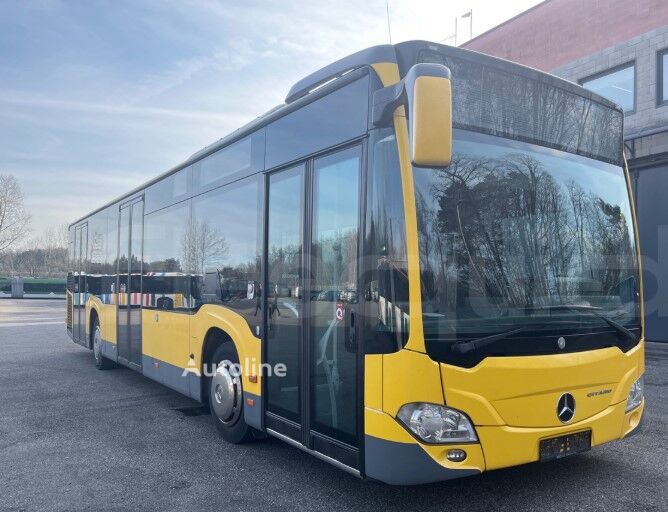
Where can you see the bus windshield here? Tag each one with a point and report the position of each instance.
(508, 234)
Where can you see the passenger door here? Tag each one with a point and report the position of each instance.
(79, 294)
(131, 233)
(312, 304)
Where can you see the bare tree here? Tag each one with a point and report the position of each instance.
(14, 219)
(202, 246)
(54, 244)
(30, 261)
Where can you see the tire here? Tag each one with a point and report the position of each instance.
(101, 362)
(226, 397)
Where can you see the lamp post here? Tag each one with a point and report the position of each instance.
(468, 15)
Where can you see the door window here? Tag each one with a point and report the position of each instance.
(285, 290)
(333, 295)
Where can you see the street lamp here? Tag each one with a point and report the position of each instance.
(469, 15)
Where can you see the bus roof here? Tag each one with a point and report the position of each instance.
(318, 83)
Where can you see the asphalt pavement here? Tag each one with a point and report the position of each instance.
(74, 438)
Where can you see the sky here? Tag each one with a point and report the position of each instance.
(99, 96)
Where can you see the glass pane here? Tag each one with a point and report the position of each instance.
(166, 251)
(97, 251)
(123, 285)
(337, 117)
(234, 158)
(243, 157)
(224, 257)
(134, 289)
(83, 295)
(521, 106)
(509, 231)
(386, 294)
(335, 236)
(284, 294)
(664, 77)
(617, 86)
(169, 190)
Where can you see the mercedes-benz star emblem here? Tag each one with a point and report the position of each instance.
(566, 408)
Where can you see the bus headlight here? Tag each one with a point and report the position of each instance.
(437, 424)
(636, 394)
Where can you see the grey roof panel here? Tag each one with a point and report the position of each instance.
(375, 54)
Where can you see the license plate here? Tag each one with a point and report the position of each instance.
(563, 446)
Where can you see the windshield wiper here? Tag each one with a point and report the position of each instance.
(462, 347)
(623, 331)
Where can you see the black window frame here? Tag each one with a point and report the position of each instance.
(615, 69)
(660, 100)
(256, 180)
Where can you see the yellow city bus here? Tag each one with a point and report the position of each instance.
(422, 266)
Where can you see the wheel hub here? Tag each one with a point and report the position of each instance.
(226, 393)
(97, 342)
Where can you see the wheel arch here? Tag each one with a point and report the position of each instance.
(213, 325)
(214, 338)
(93, 316)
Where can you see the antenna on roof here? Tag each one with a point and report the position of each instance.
(389, 28)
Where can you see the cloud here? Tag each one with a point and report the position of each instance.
(32, 101)
(97, 98)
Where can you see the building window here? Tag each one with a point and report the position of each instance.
(617, 84)
(662, 80)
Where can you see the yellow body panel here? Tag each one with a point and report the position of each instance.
(166, 336)
(415, 337)
(373, 380)
(388, 72)
(523, 391)
(173, 337)
(506, 446)
(431, 123)
(177, 336)
(106, 314)
(108, 325)
(248, 346)
(410, 377)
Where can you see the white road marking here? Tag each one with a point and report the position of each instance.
(22, 324)
(32, 319)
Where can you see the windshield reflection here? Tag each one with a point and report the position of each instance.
(509, 227)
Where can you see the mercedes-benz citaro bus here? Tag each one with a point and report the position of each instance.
(422, 266)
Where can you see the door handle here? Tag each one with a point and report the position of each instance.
(350, 341)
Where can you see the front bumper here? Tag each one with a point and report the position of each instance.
(395, 457)
(505, 446)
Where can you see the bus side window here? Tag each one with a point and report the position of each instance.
(386, 280)
(226, 242)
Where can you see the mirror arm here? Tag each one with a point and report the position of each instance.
(386, 101)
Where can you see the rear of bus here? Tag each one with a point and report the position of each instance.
(525, 330)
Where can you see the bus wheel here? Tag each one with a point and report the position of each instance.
(101, 362)
(226, 396)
